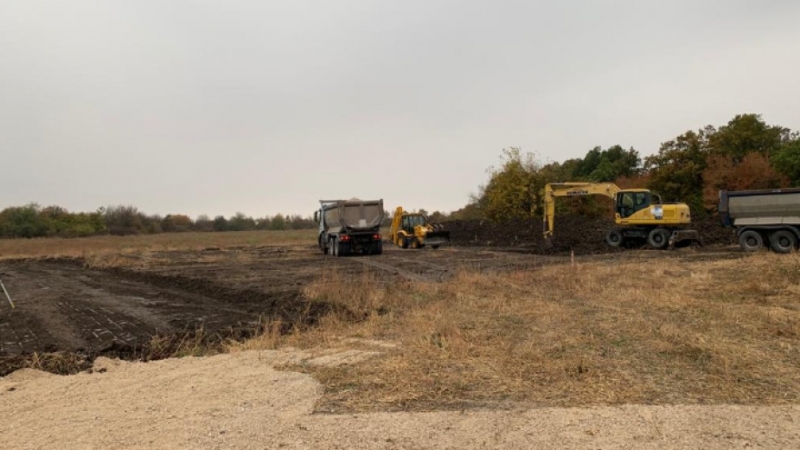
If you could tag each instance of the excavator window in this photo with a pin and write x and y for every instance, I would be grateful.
(629, 203)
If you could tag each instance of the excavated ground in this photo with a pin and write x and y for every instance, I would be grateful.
(116, 309)
(581, 235)
(63, 306)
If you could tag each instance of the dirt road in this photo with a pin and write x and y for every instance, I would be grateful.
(239, 401)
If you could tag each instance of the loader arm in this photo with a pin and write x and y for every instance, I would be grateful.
(396, 223)
(553, 190)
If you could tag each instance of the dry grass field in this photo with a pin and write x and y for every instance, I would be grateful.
(83, 247)
(606, 332)
(643, 327)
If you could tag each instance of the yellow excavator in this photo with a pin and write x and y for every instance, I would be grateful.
(640, 215)
(413, 230)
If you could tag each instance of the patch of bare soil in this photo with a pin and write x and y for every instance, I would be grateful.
(152, 305)
(68, 314)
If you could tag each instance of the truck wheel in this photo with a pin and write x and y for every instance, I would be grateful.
(658, 238)
(751, 241)
(783, 241)
(334, 247)
(614, 238)
(377, 248)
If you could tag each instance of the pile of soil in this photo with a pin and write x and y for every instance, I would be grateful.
(713, 233)
(580, 234)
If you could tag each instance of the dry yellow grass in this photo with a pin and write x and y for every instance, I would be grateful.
(104, 245)
(671, 331)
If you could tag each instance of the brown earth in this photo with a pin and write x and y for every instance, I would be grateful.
(579, 234)
(145, 306)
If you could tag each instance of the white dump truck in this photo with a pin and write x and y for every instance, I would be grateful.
(350, 226)
(767, 217)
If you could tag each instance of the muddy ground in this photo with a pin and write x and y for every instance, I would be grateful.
(64, 306)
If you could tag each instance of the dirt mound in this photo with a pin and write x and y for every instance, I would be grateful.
(713, 233)
(573, 233)
(583, 235)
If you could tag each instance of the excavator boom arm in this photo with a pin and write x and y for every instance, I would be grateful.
(553, 190)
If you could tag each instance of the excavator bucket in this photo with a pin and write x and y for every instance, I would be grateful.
(684, 238)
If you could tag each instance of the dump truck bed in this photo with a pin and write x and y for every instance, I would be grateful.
(353, 214)
(760, 207)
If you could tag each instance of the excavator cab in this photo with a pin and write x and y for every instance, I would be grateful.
(631, 202)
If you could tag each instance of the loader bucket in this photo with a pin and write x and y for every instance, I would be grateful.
(684, 238)
(437, 238)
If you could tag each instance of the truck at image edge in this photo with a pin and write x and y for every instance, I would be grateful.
(766, 217)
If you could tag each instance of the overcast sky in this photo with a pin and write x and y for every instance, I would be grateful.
(268, 106)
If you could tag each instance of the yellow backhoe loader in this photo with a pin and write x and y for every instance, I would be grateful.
(640, 215)
(413, 230)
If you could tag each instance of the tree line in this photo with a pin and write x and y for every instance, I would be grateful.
(32, 221)
(745, 153)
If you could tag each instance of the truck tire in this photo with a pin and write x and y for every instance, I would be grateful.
(783, 241)
(334, 247)
(377, 248)
(751, 241)
(658, 238)
(614, 238)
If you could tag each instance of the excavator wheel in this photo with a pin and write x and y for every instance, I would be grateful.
(435, 246)
(404, 242)
(658, 238)
(614, 238)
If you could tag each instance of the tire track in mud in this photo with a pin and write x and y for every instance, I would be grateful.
(408, 275)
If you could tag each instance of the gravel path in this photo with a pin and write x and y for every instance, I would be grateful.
(240, 401)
